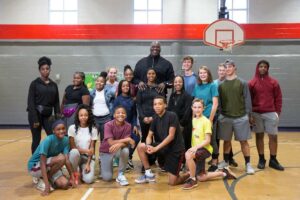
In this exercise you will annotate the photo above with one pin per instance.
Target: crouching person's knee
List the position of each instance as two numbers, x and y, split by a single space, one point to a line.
107 176
88 178
62 183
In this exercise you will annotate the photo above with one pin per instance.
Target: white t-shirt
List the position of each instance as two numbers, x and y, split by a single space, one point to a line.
83 137
99 104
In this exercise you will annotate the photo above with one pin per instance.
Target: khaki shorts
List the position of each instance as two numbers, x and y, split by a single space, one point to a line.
266 122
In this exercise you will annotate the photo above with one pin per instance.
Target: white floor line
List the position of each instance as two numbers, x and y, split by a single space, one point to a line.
87 194
288 143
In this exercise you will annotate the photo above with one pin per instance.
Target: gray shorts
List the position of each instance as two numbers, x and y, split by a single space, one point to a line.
37 172
239 126
266 122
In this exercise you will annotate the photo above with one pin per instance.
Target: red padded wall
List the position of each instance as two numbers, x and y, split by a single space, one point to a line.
139 32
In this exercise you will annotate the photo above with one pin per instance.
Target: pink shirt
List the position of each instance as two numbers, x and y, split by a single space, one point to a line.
111 130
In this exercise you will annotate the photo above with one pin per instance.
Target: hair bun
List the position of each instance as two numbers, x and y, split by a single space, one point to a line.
44 61
103 74
127 67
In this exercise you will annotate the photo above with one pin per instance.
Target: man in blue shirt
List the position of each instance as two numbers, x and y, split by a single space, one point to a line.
190 78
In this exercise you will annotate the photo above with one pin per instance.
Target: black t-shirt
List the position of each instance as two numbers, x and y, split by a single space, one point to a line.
160 127
44 94
75 95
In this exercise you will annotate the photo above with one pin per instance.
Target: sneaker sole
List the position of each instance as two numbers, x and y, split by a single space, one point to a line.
190 187
260 167
150 180
278 169
250 173
43 189
40 188
122 184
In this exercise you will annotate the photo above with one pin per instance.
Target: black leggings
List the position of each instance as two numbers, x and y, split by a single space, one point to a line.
45 123
145 130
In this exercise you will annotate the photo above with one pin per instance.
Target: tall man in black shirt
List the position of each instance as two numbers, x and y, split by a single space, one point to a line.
163 68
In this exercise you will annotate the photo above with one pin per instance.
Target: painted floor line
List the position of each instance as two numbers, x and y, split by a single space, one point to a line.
12 141
127 193
87 194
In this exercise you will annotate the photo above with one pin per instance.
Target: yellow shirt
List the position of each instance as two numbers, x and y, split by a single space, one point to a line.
201 127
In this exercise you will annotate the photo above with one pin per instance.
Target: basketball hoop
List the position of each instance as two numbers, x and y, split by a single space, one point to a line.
224 34
226 45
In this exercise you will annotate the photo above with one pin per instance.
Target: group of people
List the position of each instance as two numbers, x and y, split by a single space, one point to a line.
134 113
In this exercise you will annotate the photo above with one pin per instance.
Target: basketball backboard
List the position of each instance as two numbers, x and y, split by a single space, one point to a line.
224 34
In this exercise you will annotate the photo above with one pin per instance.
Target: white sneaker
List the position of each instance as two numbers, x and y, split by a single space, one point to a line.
35 180
41 186
223 165
121 179
249 169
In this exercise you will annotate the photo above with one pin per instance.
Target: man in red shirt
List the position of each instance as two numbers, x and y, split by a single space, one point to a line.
266 108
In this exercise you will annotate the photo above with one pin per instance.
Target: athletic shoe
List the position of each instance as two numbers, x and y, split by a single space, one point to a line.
145 178
121 179
261 164
223 164
273 163
189 184
229 173
130 164
35 180
232 163
249 169
115 162
41 186
212 168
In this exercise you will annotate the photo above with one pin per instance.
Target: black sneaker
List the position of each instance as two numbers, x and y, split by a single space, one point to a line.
232 163
212 168
261 164
275 165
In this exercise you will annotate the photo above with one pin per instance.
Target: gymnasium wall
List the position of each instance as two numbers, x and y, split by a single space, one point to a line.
121 11
94 48
274 11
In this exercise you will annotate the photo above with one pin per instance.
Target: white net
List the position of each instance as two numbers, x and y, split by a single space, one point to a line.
227 45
